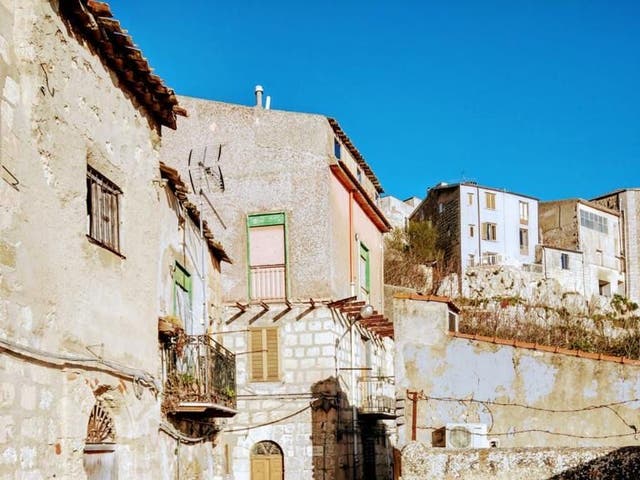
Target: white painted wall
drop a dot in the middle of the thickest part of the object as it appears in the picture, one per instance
(601, 252)
(506, 216)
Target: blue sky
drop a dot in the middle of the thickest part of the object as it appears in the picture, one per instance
(538, 97)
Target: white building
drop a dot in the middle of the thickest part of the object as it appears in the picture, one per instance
(582, 245)
(481, 225)
(398, 211)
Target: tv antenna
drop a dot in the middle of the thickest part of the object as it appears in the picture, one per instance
(206, 177)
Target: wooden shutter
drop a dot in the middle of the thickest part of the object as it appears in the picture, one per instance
(272, 370)
(257, 355)
(265, 359)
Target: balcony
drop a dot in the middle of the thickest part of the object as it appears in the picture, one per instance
(487, 259)
(268, 282)
(377, 397)
(199, 376)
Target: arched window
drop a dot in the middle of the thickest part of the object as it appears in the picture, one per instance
(99, 457)
(267, 461)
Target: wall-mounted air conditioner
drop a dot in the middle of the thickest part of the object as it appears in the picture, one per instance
(466, 435)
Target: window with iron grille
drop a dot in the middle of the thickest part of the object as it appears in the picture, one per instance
(103, 210)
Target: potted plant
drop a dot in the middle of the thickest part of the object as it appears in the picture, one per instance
(170, 325)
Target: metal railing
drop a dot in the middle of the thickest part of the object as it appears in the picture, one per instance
(486, 259)
(377, 395)
(198, 369)
(268, 282)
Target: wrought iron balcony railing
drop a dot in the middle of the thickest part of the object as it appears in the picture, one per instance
(199, 376)
(377, 397)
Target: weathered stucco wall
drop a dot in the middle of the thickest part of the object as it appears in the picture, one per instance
(420, 462)
(526, 398)
(271, 162)
(88, 314)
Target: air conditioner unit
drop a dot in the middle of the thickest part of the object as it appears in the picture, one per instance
(466, 435)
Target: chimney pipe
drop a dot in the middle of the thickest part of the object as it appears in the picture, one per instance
(259, 91)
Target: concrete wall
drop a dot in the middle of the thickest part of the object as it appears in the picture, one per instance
(419, 462)
(526, 398)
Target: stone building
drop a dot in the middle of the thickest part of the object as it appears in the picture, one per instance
(295, 203)
(479, 225)
(93, 250)
(582, 247)
(627, 203)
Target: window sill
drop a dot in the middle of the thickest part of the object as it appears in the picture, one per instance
(106, 247)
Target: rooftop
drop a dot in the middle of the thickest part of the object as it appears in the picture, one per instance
(94, 22)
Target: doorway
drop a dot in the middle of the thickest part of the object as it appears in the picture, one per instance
(267, 461)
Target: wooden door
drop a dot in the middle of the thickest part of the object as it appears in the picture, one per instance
(99, 465)
(266, 462)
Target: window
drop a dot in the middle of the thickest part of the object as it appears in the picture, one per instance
(267, 257)
(469, 198)
(264, 356)
(524, 241)
(593, 221)
(359, 175)
(604, 288)
(564, 261)
(182, 297)
(440, 207)
(490, 200)
(103, 210)
(524, 213)
(472, 230)
(489, 231)
(337, 152)
(365, 273)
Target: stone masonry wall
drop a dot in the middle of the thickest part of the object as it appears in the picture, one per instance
(420, 462)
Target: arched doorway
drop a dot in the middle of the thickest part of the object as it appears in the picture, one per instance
(99, 450)
(267, 461)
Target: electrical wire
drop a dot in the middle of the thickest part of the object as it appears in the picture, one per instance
(269, 423)
(140, 376)
(422, 396)
(541, 430)
(172, 432)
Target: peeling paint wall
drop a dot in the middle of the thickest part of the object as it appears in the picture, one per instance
(526, 398)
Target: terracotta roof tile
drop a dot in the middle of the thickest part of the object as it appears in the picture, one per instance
(544, 348)
(94, 21)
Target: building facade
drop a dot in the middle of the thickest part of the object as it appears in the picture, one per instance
(296, 206)
(627, 203)
(589, 235)
(398, 211)
(481, 225)
(95, 246)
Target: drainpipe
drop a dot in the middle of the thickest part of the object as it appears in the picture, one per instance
(352, 278)
(202, 264)
(354, 409)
